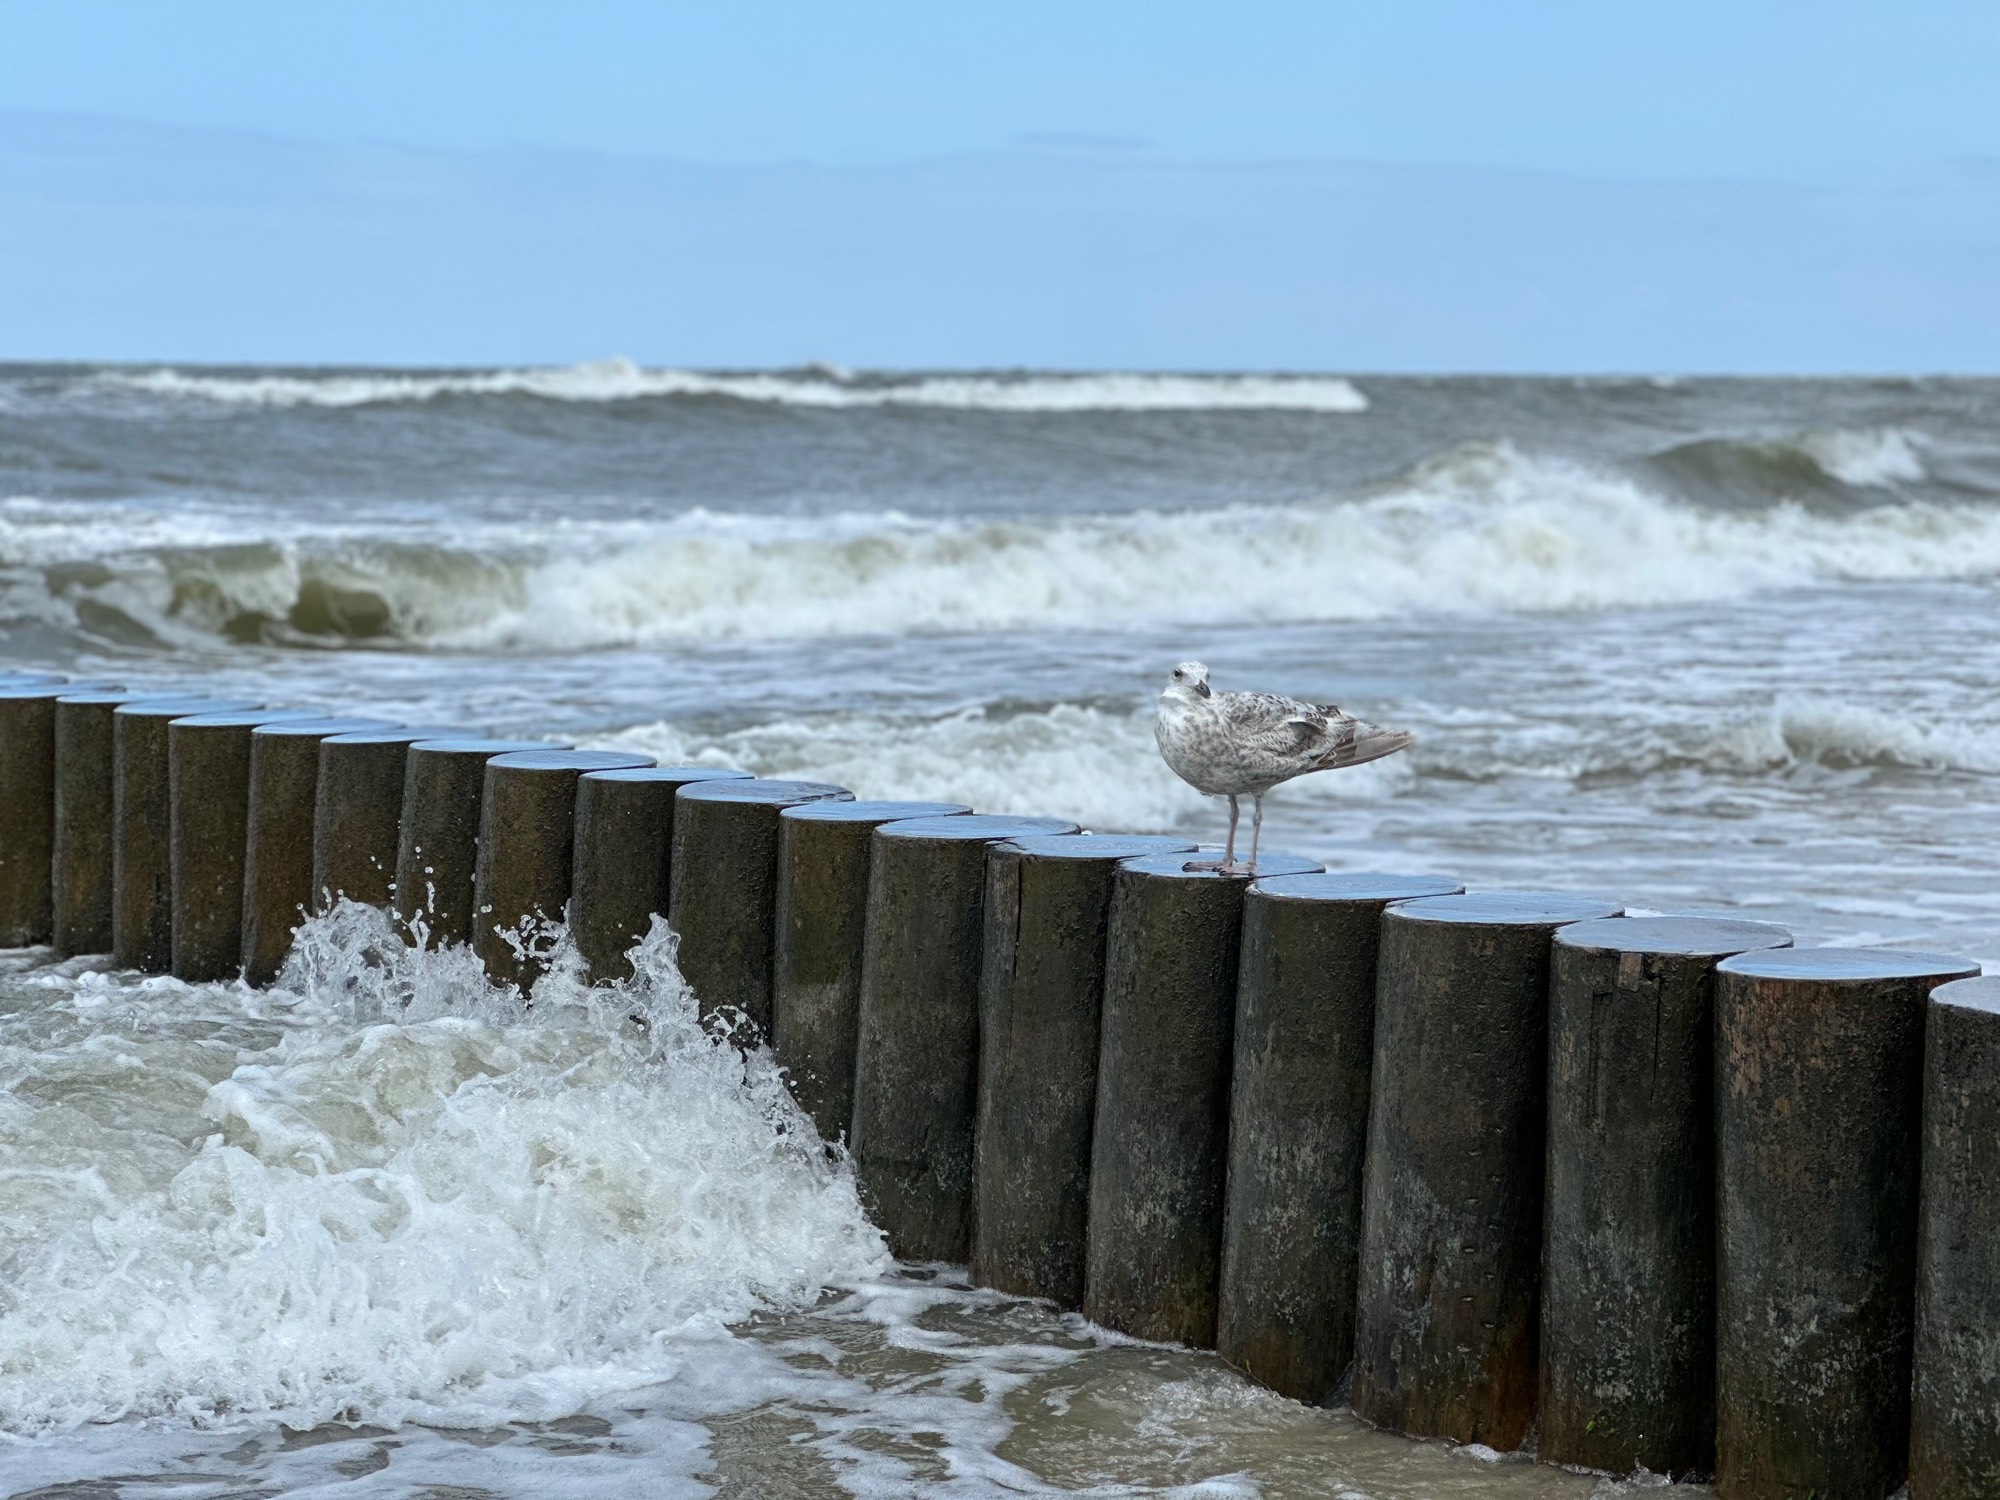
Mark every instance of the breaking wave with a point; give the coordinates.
(1821, 465)
(1482, 528)
(387, 1192)
(815, 386)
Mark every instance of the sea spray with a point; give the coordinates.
(386, 1191)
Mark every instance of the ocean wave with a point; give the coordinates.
(1480, 529)
(393, 1191)
(1871, 457)
(1817, 464)
(1809, 730)
(813, 386)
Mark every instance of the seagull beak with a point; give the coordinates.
(1202, 688)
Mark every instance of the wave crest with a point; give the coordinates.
(814, 386)
(1479, 529)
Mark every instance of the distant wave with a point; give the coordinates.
(818, 385)
(1826, 462)
(1482, 528)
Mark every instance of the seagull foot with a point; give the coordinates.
(1219, 867)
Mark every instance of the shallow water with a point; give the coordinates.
(1714, 644)
(385, 1230)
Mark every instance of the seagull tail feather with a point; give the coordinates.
(1368, 742)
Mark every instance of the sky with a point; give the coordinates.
(1424, 185)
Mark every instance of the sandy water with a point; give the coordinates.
(380, 1231)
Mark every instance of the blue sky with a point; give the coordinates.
(1496, 185)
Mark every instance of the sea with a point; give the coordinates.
(1694, 644)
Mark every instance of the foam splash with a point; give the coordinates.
(815, 386)
(386, 1191)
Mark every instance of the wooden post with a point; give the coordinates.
(1955, 1438)
(28, 810)
(437, 837)
(527, 839)
(723, 888)
(916, 1055)
(358, 813)
(821, 923)
(278, 848)
(142, 900)
(1298, 1123)
(624, 845)
(1447, 1310)
(1160, 1149)
(208, 795)
(1041, 993)
(1819, 1061)
(1628, 1258)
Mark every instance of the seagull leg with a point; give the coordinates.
(1228, 861)
(1256, 827)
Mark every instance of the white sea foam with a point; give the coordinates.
(1484, 528)
(1097, 766)
(819, 385)
(389, 1191)
(1870, 457)
(1806, 729)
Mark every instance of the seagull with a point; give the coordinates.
(1243, 744)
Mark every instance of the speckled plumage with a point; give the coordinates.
(1243, 744)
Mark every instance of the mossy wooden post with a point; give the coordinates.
(1819, 1063)
(527, 840)
(1298, 1123)
(1628, 1257)
(437, 837)
(916, 1052)
(278, 849)
(624, 845)
(28, 809)
(1955, 1436)
(80, 873)
(1160, 1136)
(1447, 1307)
(723, 889)
(821, 923)
(1041, 992)
(142, 886)
(208, 796)
(358, 813)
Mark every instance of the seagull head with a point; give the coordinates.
(1189, 680)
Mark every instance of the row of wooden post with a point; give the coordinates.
(1493, 1168)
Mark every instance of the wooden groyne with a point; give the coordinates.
(1500, 1168)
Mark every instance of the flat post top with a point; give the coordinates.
(1688, 937)
(870, 812)
(1506, 909)
(1847, 965)
(771, 793)
(568, 760)
(1354, 885)
(1175, 866)
(1111, 846)
(983, 827)
(181, 708)
(1980, 994)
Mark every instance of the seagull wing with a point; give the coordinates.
(1274, 725)
(1306, 736)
